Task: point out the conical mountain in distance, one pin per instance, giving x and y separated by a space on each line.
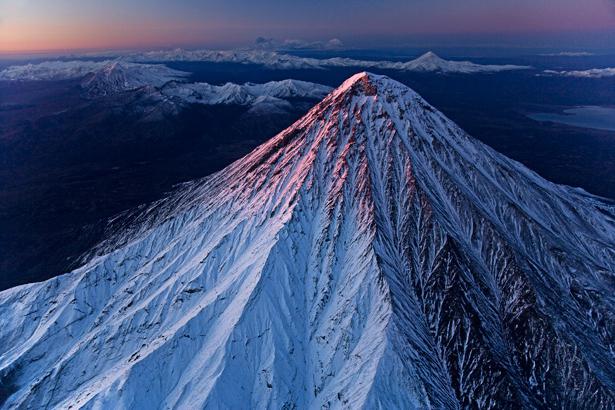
372 255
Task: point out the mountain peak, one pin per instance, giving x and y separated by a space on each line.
366 84
361 82
373 255
366 81
366 100
430 55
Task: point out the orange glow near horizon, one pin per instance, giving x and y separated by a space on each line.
51 25
28 26
30 37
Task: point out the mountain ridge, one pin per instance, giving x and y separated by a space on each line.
275 60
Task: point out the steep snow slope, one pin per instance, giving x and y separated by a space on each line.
372 255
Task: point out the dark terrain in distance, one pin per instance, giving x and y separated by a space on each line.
67 164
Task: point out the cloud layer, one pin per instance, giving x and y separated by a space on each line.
269 43
591 73
569 54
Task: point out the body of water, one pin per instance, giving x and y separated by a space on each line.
601 118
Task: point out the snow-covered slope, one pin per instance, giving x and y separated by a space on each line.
372 255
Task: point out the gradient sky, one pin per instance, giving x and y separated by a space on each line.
29 25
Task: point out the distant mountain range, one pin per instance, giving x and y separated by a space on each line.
428 62
115 76
244 94
124 75
161 84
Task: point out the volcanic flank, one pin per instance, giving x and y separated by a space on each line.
372 255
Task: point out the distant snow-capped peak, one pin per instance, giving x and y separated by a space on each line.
431 62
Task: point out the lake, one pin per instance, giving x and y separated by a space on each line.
601 118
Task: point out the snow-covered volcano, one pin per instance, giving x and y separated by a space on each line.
372 255
431 62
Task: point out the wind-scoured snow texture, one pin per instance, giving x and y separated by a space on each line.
591 73
428 62
372 255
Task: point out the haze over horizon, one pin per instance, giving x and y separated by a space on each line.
29 26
